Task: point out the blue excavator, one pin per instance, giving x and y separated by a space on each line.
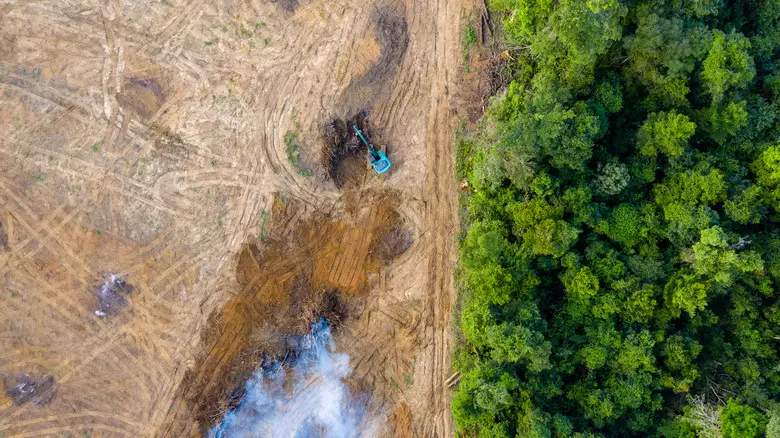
378 159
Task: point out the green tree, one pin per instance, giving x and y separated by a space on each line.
716 261
666 133
609 94
682 292
767 170
741 421
624 225
511 343
773 426
662 54
697 186
679 354
612 178
728 65
746 207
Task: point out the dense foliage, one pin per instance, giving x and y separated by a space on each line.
621 263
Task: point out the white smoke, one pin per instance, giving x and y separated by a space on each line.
311 400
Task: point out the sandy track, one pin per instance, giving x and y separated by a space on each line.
146 138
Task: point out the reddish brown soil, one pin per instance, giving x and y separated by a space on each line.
306 269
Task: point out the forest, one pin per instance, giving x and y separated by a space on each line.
620 255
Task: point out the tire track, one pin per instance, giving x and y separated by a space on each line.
230 108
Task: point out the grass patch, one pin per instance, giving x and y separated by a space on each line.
469 36
469 41
263 235
292 147
466 152
245 33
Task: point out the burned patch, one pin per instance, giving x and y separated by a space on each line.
344 155
330 305
287 5
24 388
111 296
290 399
143 96
319 269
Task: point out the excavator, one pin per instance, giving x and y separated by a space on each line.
378 159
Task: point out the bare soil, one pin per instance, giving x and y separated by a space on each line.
145 139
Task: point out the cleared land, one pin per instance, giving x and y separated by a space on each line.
179 145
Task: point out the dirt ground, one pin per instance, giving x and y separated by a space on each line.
148 141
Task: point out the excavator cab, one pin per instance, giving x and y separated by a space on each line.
378 159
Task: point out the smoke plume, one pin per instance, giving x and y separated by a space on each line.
310 399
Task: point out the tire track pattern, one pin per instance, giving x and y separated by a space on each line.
88 186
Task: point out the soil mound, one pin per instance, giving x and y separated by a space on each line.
144 96
391 243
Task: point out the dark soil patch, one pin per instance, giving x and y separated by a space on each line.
25 388
393 35
392 243
3 238
350 172
330 305
144 96
111 296
344 155
287 5
391 238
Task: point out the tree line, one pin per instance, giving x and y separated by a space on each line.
620 262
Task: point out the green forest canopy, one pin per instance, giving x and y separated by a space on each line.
621 260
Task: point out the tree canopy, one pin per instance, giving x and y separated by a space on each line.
620 260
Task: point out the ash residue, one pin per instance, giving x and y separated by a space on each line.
25 388
111 296
344 154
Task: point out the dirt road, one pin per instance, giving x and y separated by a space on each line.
152 139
